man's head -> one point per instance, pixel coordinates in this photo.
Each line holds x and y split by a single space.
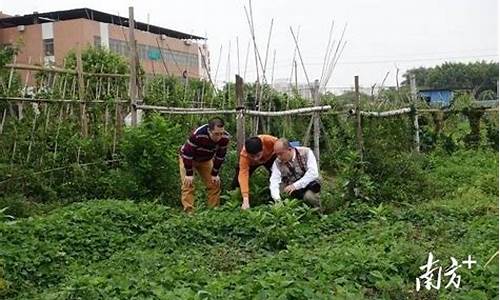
253 146
283 150
216 129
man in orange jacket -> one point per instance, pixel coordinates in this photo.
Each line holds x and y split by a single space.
258 151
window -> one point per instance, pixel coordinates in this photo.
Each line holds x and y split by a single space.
119 47
97 41
180 58
143 51
48 47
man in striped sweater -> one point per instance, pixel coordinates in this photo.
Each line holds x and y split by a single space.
204 151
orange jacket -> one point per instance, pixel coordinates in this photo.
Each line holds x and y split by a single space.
245 161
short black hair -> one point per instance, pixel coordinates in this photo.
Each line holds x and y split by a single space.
253 145
215 122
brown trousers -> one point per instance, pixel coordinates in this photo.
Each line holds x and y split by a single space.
187 192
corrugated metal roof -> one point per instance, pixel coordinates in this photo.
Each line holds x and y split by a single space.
90 14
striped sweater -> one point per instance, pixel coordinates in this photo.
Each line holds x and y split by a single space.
199 147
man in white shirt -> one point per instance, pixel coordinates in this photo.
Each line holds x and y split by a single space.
295 173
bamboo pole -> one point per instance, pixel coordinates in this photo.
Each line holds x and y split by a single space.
106 117
246 60
299 111
118 120
327 53
389 113
61 82
31 139
288 112
4 115
115 130
201 113
57 131
47 119
21 99
99 85
307 135
156 107
20 106
11 74
78 155
81 92
61 70
69 108
256 56
205 66
14 147
301 60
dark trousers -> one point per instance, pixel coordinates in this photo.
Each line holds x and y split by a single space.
314 187
268 165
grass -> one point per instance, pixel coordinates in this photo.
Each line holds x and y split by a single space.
109 249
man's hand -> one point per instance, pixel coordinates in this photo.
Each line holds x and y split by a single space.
245 204
289 189
216 180
188 181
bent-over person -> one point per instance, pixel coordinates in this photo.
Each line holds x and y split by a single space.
295 173
204 151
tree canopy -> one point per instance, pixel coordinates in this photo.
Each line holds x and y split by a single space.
478 77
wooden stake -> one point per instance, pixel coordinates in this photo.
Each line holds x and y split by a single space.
316 121
413 86
240 116
133 66
416 130
359 129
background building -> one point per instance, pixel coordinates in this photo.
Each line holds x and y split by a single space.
46 38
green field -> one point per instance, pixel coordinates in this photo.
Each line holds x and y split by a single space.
110 249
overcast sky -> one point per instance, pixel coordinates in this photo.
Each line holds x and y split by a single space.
381 35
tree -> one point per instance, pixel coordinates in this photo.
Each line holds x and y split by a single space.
476 77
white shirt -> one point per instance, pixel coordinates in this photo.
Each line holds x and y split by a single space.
310 175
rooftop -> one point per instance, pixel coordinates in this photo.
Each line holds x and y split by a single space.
90 14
